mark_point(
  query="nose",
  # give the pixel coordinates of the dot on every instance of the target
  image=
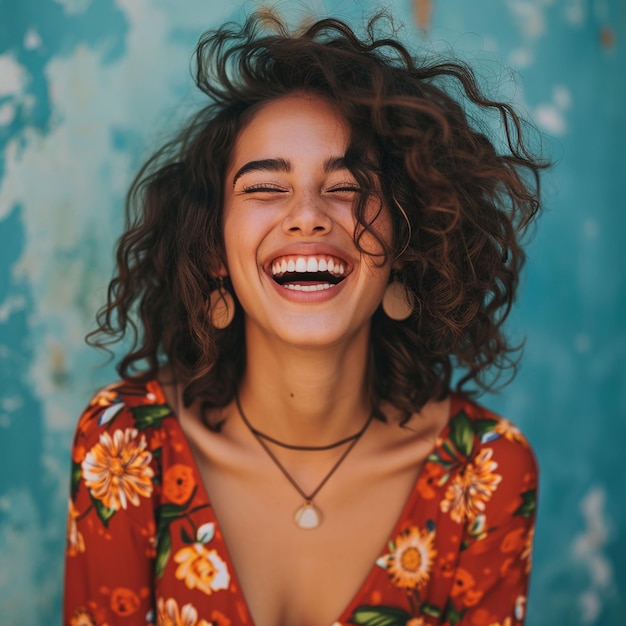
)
(307, 216)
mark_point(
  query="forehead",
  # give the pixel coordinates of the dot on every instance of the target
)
(297, 122)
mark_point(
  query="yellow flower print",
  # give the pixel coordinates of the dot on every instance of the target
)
(75, 540)
(509, 431)
(168, 614)
(527, 552)
(466, 495)
(82, 617)
(201, 569)
(410, 562)
(117, 469)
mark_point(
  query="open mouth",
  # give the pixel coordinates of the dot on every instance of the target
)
(309, 273)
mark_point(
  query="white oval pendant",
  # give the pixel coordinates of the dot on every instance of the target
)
(308, 516)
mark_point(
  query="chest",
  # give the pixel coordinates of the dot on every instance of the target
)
(290, 576)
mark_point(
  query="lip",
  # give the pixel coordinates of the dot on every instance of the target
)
(308, 250)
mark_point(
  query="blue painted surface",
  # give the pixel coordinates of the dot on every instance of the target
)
(85, 89)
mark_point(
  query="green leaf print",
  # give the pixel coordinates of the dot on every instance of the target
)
(104, 512)
(379, 616)
(430, 609)
(150, 415)
(76, 476)
(529, 503)
(186, 537)
(484, 425)
(164, 549)
(167, 513)
(462, 433)
(452, 616)
(435, 457)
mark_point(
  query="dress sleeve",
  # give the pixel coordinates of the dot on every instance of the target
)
(110, 529)
(490, 582)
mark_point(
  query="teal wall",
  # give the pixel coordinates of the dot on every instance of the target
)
(88, 86)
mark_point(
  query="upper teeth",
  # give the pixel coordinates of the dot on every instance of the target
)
(303, 264)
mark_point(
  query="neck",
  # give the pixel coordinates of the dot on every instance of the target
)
(306, 396)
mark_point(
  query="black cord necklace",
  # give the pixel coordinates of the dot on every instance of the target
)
(307, 516)
(288, 446)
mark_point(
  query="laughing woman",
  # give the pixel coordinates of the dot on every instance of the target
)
(305, 269)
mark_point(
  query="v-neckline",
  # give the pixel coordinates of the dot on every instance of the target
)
(397, 527)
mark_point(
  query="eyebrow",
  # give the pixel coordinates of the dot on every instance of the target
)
(332, 164)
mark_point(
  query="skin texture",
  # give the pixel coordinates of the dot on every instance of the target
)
(305, 378)
(305, 210)
(312, 339)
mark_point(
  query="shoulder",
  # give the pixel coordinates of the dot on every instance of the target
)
(119, 412)
(477, 432)
(486, 453)
(482, 472)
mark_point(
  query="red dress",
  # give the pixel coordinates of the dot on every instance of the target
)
(144, 547)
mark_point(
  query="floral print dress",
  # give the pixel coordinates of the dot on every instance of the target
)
(144, 547)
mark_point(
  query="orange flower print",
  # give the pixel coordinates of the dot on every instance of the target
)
(149, 531)
(201, 569)
(106, 397)
(219, 619)
(168, 614)
(178, 483)
(445, 564)
(82, 617)
(124, 601)
(78, 453)
(428, 482)
(509, 431)
(464, 588)
(466, 496)
(412, 559)
(513, 541)
(75, 540)
(154, 392)
(117, 469)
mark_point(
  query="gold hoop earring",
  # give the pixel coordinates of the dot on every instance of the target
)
(408, 225)
(398, 301)
(221, 306)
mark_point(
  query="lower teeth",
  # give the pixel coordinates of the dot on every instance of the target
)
(298, 287)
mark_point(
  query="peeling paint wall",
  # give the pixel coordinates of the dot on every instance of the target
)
(87, 87)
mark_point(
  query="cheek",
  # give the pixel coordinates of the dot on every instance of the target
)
(377, 238)
(245, 233)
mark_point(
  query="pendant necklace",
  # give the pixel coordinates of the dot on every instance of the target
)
(307, 516)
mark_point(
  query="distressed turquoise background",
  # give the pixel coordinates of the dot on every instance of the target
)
(87, 87)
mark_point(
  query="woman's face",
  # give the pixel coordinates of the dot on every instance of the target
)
(289, 227)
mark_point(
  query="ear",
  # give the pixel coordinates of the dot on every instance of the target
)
(218, 269)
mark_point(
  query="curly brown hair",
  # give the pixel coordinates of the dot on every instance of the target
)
(459, 208)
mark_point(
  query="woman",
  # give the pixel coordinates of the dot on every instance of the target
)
(305, 268)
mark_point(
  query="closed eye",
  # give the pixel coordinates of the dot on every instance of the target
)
(263, 187)
(345, 189)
